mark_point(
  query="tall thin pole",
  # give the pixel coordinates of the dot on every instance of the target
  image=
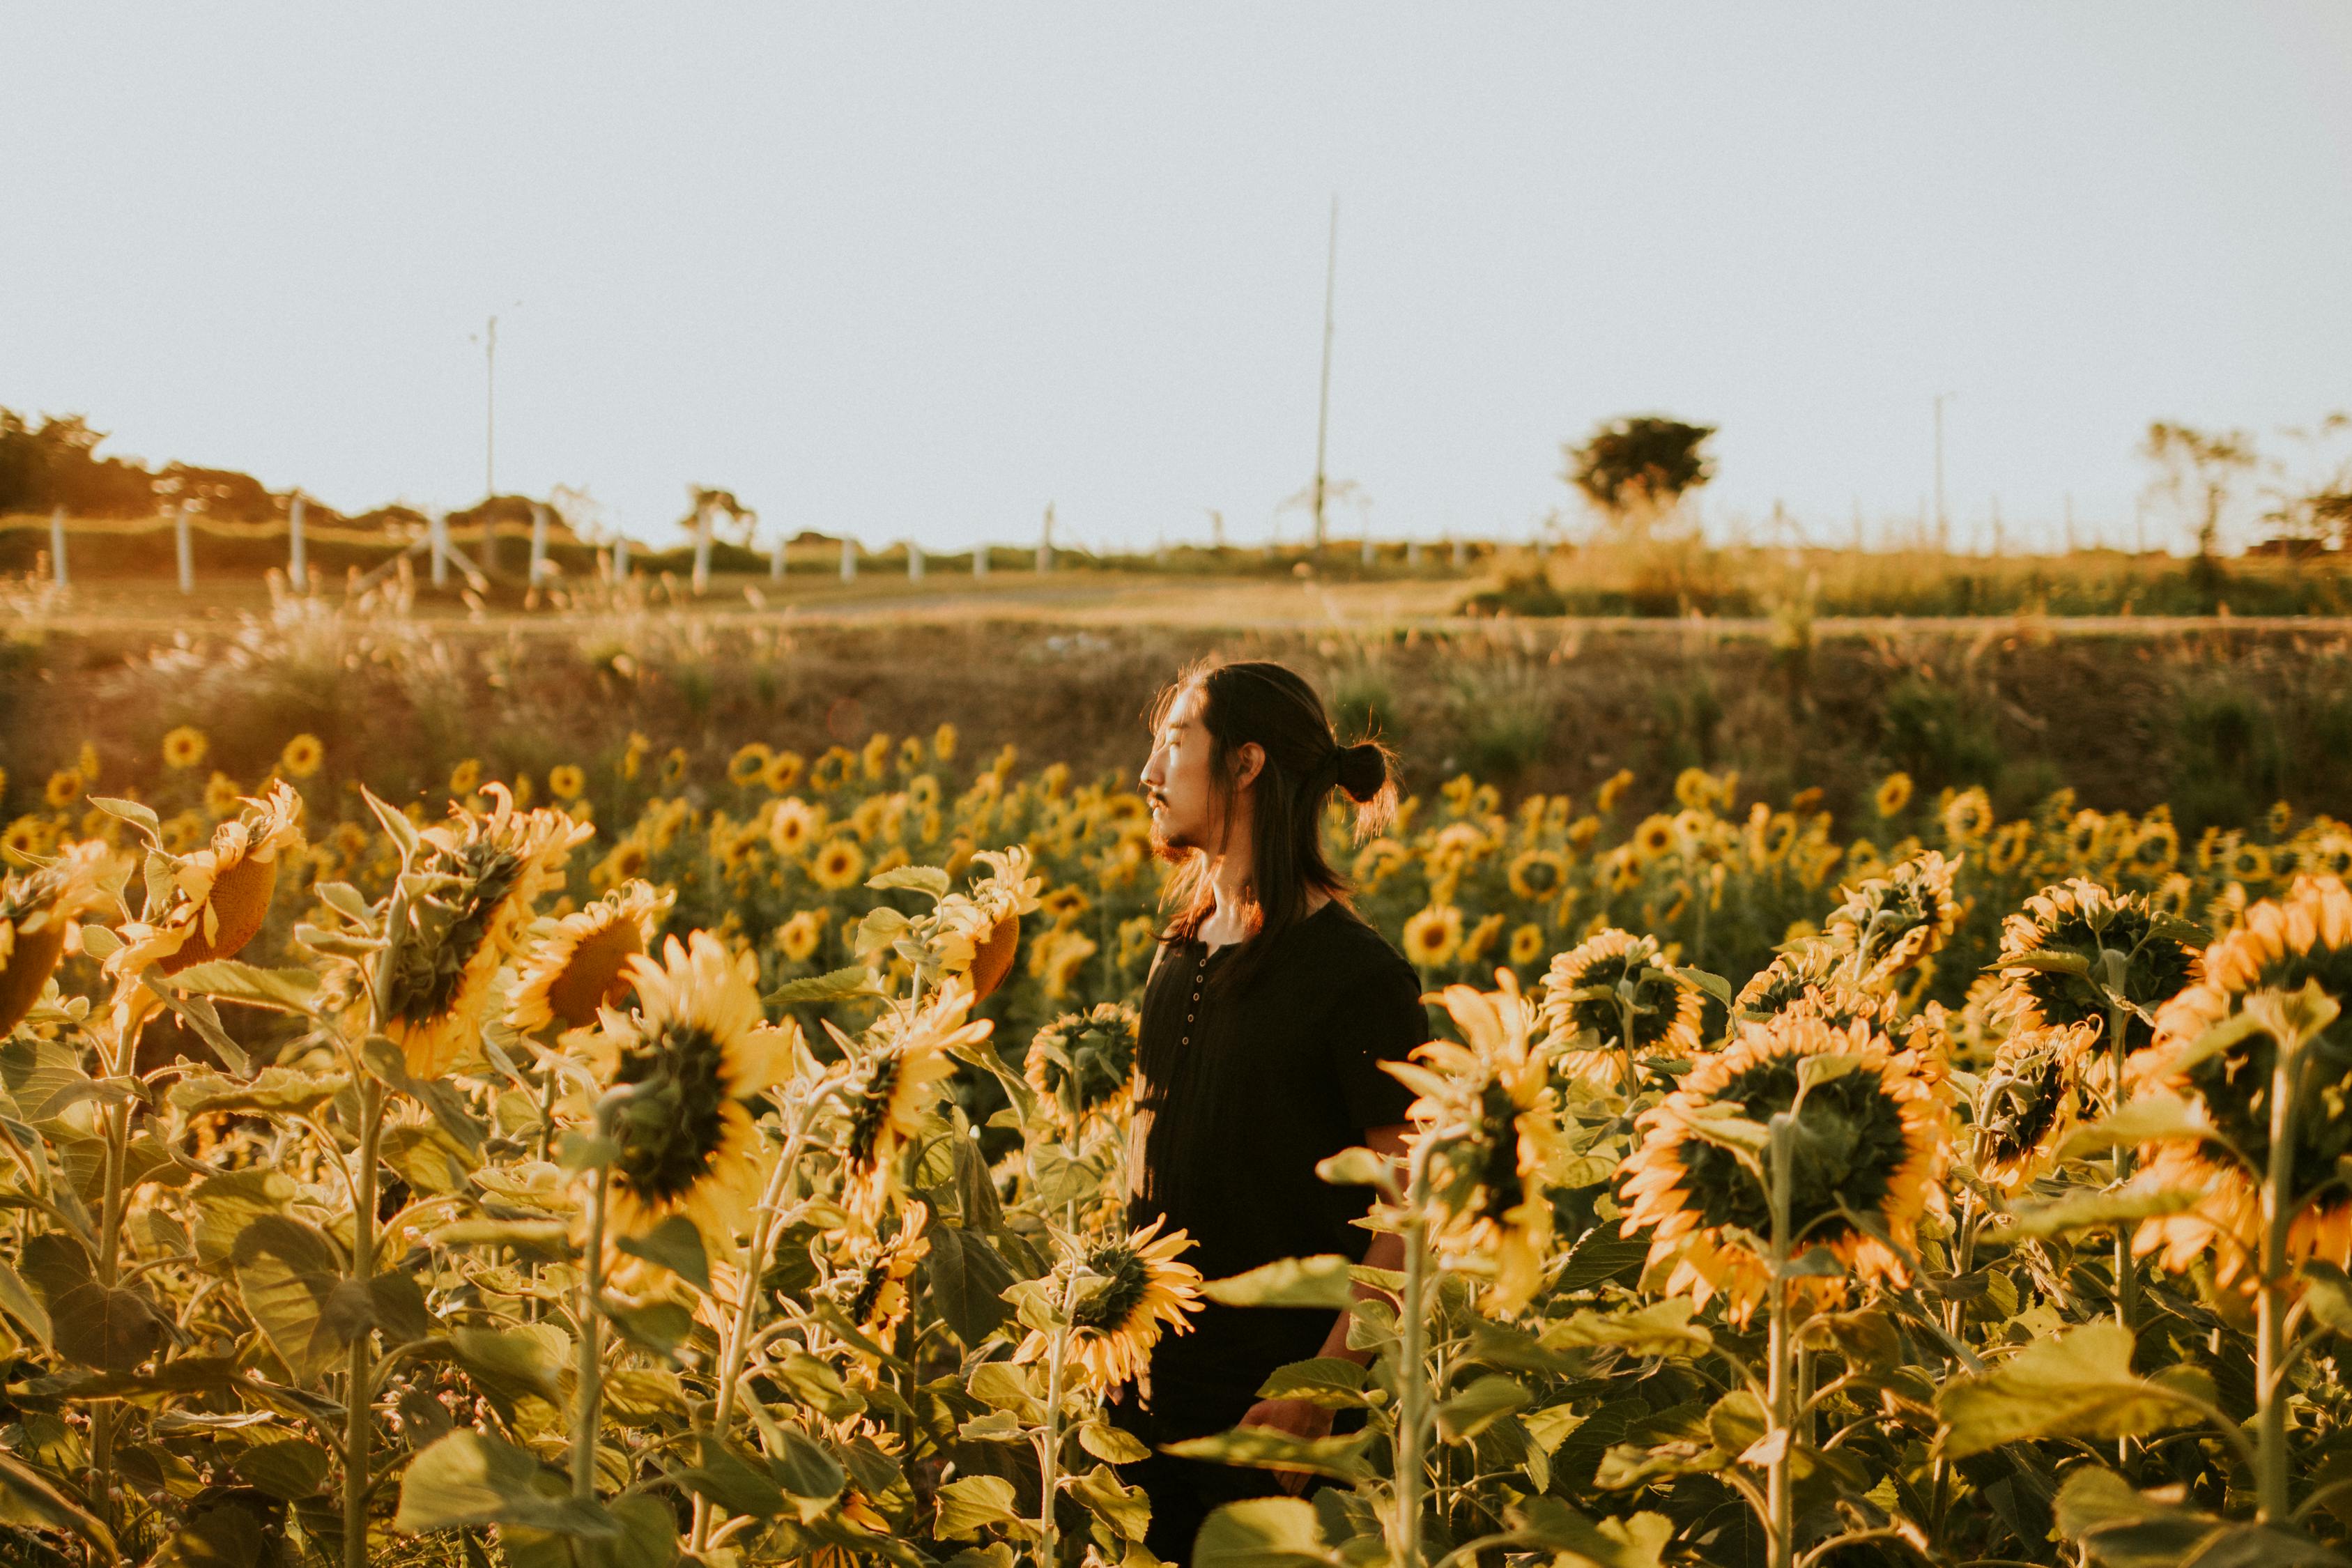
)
(1323, 410)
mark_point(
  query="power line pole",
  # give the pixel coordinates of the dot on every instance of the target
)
(1323, 412)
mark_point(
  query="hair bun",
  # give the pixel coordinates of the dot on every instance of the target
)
(1362, 770)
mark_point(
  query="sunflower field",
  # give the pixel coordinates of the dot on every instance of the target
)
(633, 1168)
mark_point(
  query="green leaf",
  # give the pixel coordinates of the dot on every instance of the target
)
(109, 1330)
(735, 1481)
(2126, 1529)
(1334, 1382)
(2085, 1208)
(806, 1470)
(287, 1271)
(676, 1245)
(142, 817)
(227, 1536)
(2046, 963)
(2328, 1290)
(1124, 1508)
(877, 930)
(277, 1090)
(1661, 1329)
(226, 980)
(471, 1478)
(1487, 1401)
(1318, 1281)
(659, 1326)
(1599, 1259)
(966, 1280)
(1261, 1533)
(30, 1500)
(2143, 1121)
(1111, 1445)
(853, 980)
(970, 1504)
(20, 1303)
(428, 1158)
(1359, 1168)
(2078, 1385)
(289, 1468)
(1267, 1448)
(919, 878)
(1713, 985)
(1638, 1540)
(540, 1240)
(511, 1364)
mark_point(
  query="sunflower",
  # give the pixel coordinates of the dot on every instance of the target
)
(832, 768)
(64, 789)
(1583, 1000)
(797, 937)
(1082, 1064)
(216, 897)
(1695, 788)
(839, 863)
(943, 741)
(37, 910)
(466, 777)
(302, 756)
(1059, 958)
(2080, 920)
(566, 781)
(1810, 974)
(1894, 793)
(2155, 848)
(1480, 938)
(1894, 920)
(749, 764)
(794, 825)
(1968, 816)
(1611, 790)
(2036, 1092)
(1653, 838)
(874, 757)
(1487, 1108)
(890, 1090)
(1136, 1286)
(991, 914)
(1377, 861)
(783, 771)
(673, 767)
(483, 870)
(2278, 949)
(1538, 874)
(1526, 943)
(1876, 1138)
(1432, 934)
(2249, 863)
(694, 1049)
(185, 747)
(871, 1287)
(2327, 853)
(2011, 842)
(581, 965)
(25, 838)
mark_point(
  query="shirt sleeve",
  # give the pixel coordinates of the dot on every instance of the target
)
(1378, 1017)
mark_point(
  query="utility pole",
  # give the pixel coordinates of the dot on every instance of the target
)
(1323, 410)
(1943, 520)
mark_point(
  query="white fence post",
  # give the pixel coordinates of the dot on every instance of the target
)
(538, 542)
(298, 561)
(702, 550)
(57, 546)
(437, 535)
(914, 561)
(979, 560)
(620, 558)
(1045, 542)
(776, 557)
(187, 551)
(848, 560)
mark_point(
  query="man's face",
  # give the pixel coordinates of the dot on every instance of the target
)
(1176, 782)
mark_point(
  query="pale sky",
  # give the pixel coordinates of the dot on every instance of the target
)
(915, 271)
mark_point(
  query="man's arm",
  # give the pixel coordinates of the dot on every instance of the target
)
(1304, 1418)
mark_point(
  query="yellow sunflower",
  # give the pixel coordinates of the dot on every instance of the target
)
(874, 758)
(1611, 790)
(486, 869)
(1653, 838)
(1876, 1138)
(2080, 921)
(185, 747)
(797, 937)
(581, 964)
(25, 838)
(566, 781)
(302, 756)
(1811, 973)
(1082, 1063)
(1377, 861)
(1432, 934)
(838, 863)
(64, 789)
(750, 763)
(794, 825)
(2033, 1098)
(1894, 793)
(1536, 875)
(979, 934)
(783, 771)
(466, 777)
(1526, 943)
(1114, 1323)
(1060, 957)
(673, 767)
(693, 1050)
(216, 897)
(1487, 1108)
(892, 1087)
(1480, 938)
(943, 742)
(37, 910)
(2249, 863)
(1968, 816)
(1585, 1001)
(2007, 852)
(871, 1287)
(2155, 848)
(1891, 921)
(2277, 949)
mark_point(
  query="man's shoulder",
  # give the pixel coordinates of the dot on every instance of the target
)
(1350, 948)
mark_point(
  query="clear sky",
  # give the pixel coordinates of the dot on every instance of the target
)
(915, 271)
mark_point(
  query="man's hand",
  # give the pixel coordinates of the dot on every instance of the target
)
(1300, 1418)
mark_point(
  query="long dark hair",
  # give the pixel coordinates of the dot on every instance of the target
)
(1259, 701)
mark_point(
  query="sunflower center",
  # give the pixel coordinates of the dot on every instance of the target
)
(1849, 1143)
(2026, 1109)
(1126, 1283)
(871, 1112)
(670, 1133)
(1655, 1004)
(594, 976)
(2157, 971)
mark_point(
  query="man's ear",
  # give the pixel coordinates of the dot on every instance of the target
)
(1246, 763)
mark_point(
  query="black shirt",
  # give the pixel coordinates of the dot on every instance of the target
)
(1237, 1097)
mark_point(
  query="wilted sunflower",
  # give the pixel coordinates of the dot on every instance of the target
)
(2033, 1098)
(486, 869)
(2079, 919)
(695, 1048)
(871, 1287)
(1876, 1138)
(838, 863)
(217, 897)
(37, 909)
(1082, 1064)
(1812, 974)
(1489, 1106)
(1582, 1000)
(581, 965)
(1894, 920)
(891, 1089)
(2278, 948)
(1432, 934)
(1139, 1287)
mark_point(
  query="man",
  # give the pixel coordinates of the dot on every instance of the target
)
(1269, 1008)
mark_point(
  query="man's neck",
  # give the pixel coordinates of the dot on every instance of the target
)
(1228, 921)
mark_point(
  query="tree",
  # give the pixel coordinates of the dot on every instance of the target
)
(2312, 501)
(2196, 473)
(1635, 471)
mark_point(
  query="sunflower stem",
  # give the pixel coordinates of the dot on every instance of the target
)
(128, 1013)
(2270, 1348)
(1780, 1389)
(1413, 1373)
(360, 1382)
(1049, 1454)
(2127, 1275)
(589, 1390)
